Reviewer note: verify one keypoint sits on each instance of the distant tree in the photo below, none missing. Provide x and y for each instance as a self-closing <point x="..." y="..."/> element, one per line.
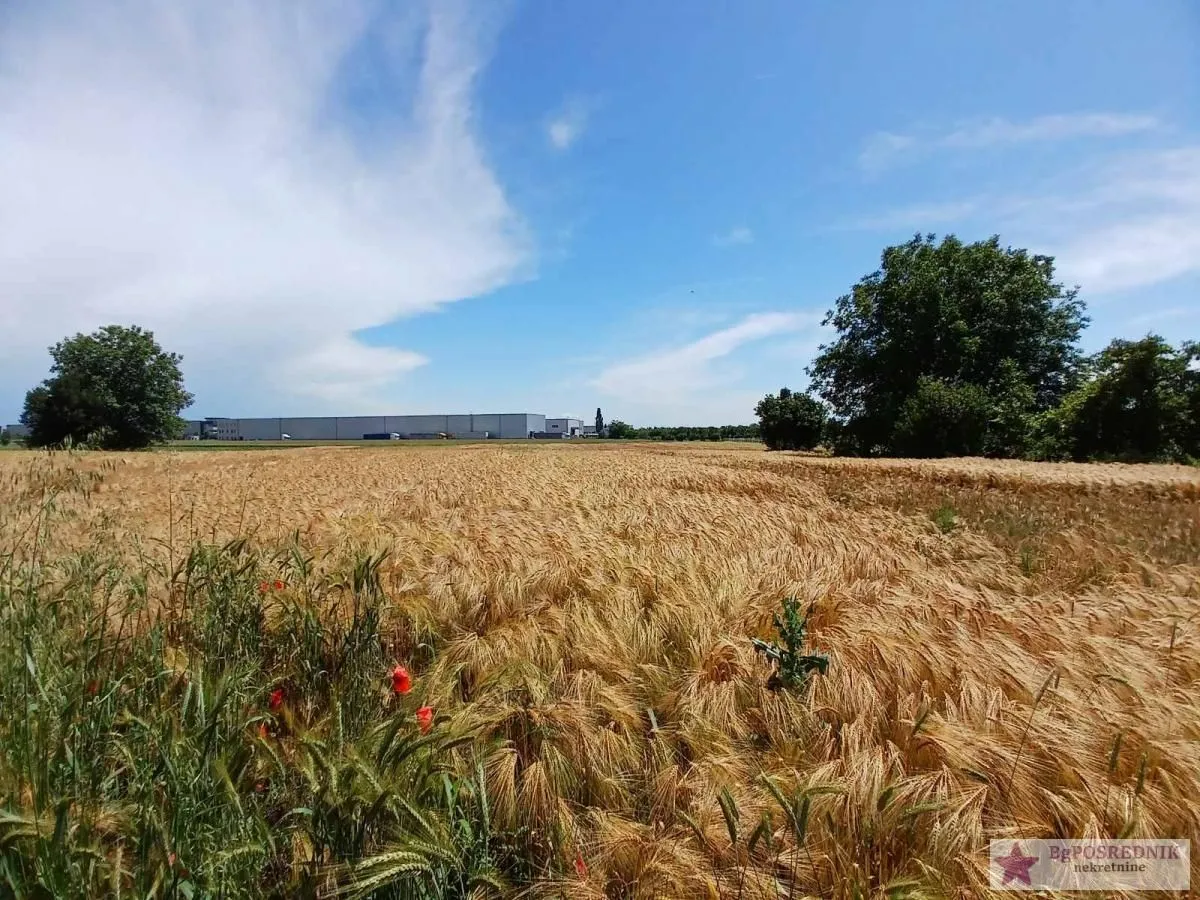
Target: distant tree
<point x="599" y="421"/>
<point x="5" y="437"/>
<point x="684" y="432"/>
<point x="790" y="421"/>
<point x="1139" y="403"/>
<point x="958" y="315"/>
<point x="618" y="429"/>
<point x="115" y="389"/>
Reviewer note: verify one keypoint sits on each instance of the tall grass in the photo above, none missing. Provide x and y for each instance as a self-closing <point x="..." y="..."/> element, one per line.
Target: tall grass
<point x="583" y="621"/>
<point x="230" y="737"/>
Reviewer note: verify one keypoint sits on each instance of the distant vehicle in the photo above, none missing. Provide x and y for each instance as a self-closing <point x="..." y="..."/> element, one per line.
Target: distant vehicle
<point x="381" y="436"/>
<point x="285" y="437"/>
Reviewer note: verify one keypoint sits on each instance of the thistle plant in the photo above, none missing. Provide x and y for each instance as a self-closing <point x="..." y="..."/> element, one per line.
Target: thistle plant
<point x="793" y="664"/>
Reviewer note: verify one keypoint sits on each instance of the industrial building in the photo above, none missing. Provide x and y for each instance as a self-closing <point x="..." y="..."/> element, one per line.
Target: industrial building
<point x="357" y="428"/>
<point x="565" y="427"/>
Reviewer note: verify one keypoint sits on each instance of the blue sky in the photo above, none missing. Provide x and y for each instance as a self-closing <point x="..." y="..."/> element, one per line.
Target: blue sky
<point x="364" y="207"/>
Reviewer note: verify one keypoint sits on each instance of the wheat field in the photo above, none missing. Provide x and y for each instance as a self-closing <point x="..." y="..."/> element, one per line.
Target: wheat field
<point x="1014" y="648"/>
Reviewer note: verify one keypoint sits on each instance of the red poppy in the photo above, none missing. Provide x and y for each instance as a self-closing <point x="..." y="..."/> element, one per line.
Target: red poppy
<point x="264" y="586"/>
<point x="93" y="687"/>
<point x="276" y="699"/>
<point x="425" y="718"/>
<point x="401" y="681"/>
<point x="580" y="866"/>
<point x="279" y="585"/>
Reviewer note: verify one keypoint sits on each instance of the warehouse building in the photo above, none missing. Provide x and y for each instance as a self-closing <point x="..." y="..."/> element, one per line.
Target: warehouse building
<point x="565" y="427"/>
<point x="357" y="428"/>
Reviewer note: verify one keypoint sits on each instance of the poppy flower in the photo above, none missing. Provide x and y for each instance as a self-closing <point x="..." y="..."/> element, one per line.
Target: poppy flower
<point x="401" y="680"/>
<point x="425" y="718"/>
<point x="276" y="699"/>
<point x="264" y="586"/>
<point x="580" y="866"/>
<point x="279" y="585"/>
<point x="93" y="687"/>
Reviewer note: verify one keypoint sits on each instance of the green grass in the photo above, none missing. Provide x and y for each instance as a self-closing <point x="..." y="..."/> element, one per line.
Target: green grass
<point x="945" y="518"/>
<point x="226" y="738"/>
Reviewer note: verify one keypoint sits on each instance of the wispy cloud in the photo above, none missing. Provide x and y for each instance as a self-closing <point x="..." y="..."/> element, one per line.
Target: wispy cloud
<point x="1124" y="223"/>
<point x="1158" y="316"/>
<point x="885" y="149"/>
<point x="733" y="237"/>
<point x="920" y="216"/>
<point x="191" y="167"/>
<point x="1135" y="223"/>
<point x="565" y="127"/>
<point x="670" y="375"/>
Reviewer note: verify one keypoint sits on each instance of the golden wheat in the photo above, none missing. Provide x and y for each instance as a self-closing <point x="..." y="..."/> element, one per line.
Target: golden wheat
<point x="590" y="608"/>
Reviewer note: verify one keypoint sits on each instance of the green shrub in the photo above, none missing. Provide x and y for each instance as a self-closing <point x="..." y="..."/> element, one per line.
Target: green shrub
<point x="942" y="419"/>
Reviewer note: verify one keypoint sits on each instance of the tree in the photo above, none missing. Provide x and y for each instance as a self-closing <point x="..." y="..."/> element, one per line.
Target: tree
<point x="618" y="429"/>
<point x="942" y="419"/>
<point x="1138" y="404"/>
<point x="790" y="421"/>
<point x="1191" y="350"/>
<point x="599" y="421"/>
<point x="5" y="437"/>
<point x="115" y="389"/>
<point x="976" y="315"/>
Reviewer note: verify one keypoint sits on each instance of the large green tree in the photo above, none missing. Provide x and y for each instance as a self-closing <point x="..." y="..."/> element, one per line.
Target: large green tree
<point x="115" y="389"/>
<point x="790" y="421"/>
<point x="1139" y="402"/>
<point x="936" y="328"/>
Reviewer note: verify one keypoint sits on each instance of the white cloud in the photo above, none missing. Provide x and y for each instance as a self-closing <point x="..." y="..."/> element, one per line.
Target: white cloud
<point x="734" y="237"/>
<point x="1126" y="223"/>
<point x="349" y="369"/>
<point x="192" y="168"/>
<point x="921" y="216"/>
<point x="996" y="131"/>
<point x="690" y="384"/>
<point x="1137" y="224"/>
<point x="885" y="148"/>
<point x="566" y="127"/>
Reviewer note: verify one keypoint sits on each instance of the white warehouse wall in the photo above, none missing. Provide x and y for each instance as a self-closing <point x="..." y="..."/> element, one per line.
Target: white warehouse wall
<point x="309" y="428"/>
<point x="352" y="428"/>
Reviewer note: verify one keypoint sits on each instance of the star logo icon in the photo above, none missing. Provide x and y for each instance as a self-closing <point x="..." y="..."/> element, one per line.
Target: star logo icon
<point x="1016" y="866"/>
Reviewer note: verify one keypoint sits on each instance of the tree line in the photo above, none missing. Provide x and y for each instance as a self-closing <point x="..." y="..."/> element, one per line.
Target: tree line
<point x="953" y="349"/>
<point x="620" y="430"/>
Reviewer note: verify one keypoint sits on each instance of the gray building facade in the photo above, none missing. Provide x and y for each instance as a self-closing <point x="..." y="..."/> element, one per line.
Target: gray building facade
<point x="353" y="428"/>
<point x="565" y="427"/>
